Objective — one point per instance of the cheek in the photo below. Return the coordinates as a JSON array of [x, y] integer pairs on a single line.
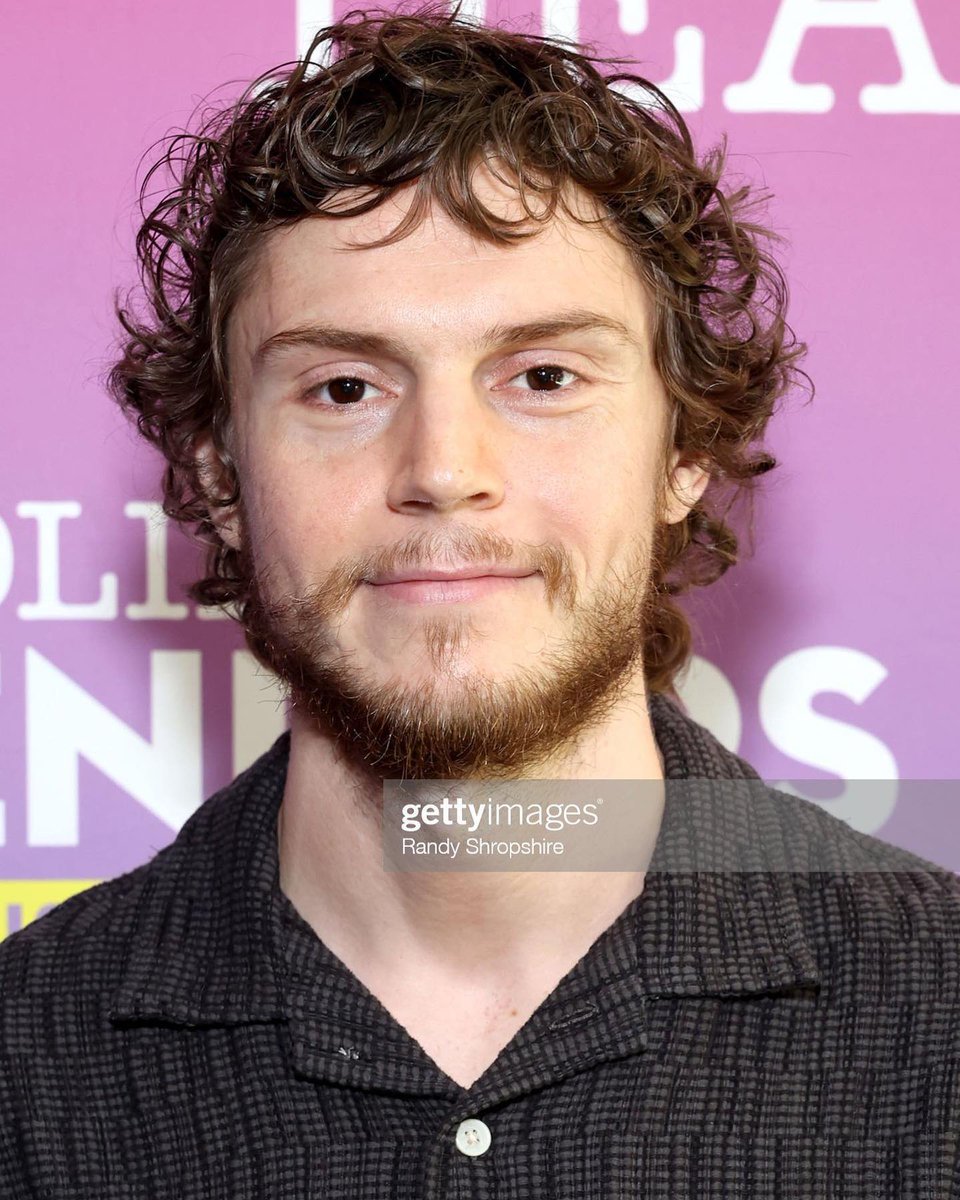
[[595, 494], [303, 515]]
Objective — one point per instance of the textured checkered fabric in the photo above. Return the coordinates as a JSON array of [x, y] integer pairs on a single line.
[[181, 1033]]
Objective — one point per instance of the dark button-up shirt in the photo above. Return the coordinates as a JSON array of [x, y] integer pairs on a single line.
[[776, 1015]]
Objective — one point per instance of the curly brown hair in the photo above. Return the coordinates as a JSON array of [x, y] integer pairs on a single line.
[[422, 97]]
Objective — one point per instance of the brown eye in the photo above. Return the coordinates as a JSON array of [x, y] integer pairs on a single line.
[[346, 390], [547, 377], [343, 390]]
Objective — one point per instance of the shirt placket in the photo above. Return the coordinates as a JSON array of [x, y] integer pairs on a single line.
[[341, 1034]]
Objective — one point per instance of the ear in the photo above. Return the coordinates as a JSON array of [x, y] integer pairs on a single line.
[[687, 481], [210, 470]]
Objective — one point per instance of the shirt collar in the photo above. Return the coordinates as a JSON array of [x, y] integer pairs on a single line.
[[716, 916], [721, 910], [197, 916]]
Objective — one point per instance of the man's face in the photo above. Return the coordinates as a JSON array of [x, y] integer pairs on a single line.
[[398, 412]]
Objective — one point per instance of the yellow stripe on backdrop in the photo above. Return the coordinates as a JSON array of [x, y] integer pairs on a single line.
[[32, 895]]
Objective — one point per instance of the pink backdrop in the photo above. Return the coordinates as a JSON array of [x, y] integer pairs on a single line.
[[829, 658]]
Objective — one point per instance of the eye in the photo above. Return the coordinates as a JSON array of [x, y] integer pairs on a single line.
[[550, 375], [344, 390], [341, 391]]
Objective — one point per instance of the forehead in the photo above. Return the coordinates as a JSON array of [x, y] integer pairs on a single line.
[[440, 281]]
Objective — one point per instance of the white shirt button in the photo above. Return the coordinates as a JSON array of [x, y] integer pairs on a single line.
[[473, 1137]]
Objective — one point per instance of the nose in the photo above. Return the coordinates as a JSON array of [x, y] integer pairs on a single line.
[[446, 458]]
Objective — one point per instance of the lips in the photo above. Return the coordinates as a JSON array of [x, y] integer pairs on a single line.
[[413, 575], [448, 589]]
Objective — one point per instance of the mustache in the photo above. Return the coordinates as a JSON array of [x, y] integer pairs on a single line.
[[457, 546]]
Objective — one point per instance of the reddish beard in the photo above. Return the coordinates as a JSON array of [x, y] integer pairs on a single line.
[[494, 727]]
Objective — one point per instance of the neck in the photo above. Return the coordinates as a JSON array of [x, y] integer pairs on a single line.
[[489, 925]]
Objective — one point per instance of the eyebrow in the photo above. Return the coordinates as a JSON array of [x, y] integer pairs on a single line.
[[359, 341]]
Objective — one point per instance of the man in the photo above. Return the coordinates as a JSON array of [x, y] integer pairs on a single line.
[[454, 351]]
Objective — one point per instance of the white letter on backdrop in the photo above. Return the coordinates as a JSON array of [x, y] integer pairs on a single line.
[[772, 88], [157, 606], [860, 759], [6, 561], [3, 823], [49, 606], [259, 710], [64, 722], [561, 20], [312, 15], [685, 85], [710, 698]]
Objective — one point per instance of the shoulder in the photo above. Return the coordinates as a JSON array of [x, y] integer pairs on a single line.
[[82, 944], [172, 914], [872, 884], [823, 842], [79, 943], [882, 918]]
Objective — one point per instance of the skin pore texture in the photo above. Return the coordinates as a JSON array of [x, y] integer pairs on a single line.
[[450, 444]]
